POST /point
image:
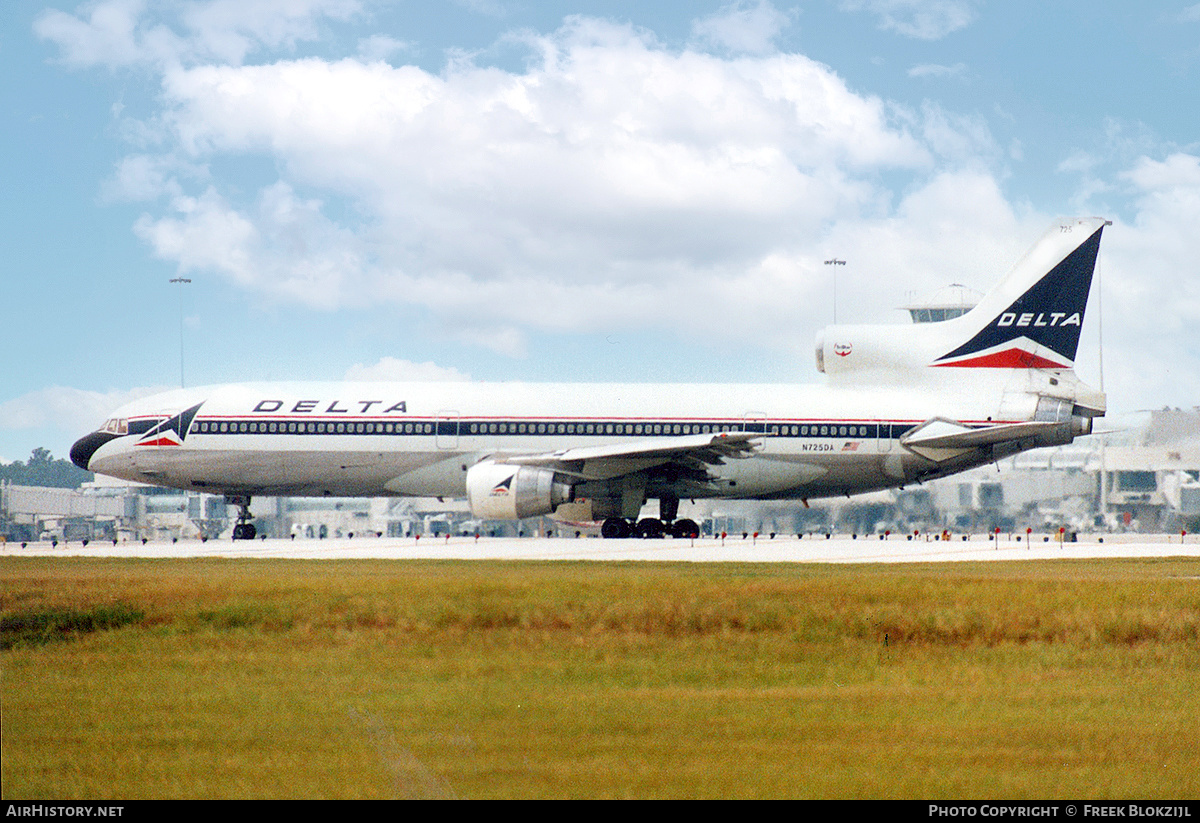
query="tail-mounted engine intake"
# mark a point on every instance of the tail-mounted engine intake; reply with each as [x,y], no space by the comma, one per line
[501,492]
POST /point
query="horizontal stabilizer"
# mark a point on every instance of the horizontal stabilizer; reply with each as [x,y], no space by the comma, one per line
[939,439]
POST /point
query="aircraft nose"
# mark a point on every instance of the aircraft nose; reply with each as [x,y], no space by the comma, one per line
[85,447]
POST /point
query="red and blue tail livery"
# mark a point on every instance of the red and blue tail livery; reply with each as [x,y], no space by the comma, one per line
[1040,329]
[1030,320]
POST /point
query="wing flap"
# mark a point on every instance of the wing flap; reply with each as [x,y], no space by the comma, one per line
[616,459]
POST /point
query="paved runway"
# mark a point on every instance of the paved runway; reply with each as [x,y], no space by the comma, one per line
[818,549]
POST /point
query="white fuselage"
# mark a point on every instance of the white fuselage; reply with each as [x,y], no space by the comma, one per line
[420,439]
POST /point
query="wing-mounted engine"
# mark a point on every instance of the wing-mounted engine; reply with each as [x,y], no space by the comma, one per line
[498,491]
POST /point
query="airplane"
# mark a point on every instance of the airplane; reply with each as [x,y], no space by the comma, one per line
[900,405]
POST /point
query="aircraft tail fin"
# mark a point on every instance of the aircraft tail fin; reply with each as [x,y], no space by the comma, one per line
[1032,318]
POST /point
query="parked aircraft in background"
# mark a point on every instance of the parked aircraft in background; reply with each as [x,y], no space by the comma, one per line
[900,404]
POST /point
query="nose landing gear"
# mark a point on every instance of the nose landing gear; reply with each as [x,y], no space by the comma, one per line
[243,529]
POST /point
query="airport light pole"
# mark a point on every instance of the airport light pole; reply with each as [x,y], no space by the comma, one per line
[835,262]
[181,281]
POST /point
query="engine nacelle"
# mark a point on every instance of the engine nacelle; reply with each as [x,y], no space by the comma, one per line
[498,491]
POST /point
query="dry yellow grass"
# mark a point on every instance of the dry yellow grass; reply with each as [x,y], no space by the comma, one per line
[457,679]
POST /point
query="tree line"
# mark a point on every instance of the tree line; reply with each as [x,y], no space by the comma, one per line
[42,469]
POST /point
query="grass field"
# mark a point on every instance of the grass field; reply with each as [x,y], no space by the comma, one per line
[129,679]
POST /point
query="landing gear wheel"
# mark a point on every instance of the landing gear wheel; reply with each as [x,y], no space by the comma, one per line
[685,529]
[650,528]
[615,528]
[244,529]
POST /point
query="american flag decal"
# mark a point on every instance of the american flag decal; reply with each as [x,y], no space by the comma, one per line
[852,446]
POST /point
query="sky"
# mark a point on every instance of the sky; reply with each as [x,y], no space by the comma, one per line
[569,191]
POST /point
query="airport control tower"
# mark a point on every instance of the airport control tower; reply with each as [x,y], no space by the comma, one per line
[945,303]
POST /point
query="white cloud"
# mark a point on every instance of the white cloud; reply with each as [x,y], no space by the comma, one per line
[140,177]
[937,70]
[228,30]
[109,36]
[1152,273]
[956,138]
[742,27]
[610,178]
[381,47]
[1101,167]
[394,369]
[1179,175]
[157,32]
[285,247]
[920,19]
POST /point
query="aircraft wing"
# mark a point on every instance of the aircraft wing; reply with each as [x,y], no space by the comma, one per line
[614,460]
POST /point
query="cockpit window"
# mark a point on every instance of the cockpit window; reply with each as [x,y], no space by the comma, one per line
[116,425]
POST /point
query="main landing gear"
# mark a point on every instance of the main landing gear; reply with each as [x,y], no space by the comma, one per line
[651,528]
[243,529]
[648,528]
